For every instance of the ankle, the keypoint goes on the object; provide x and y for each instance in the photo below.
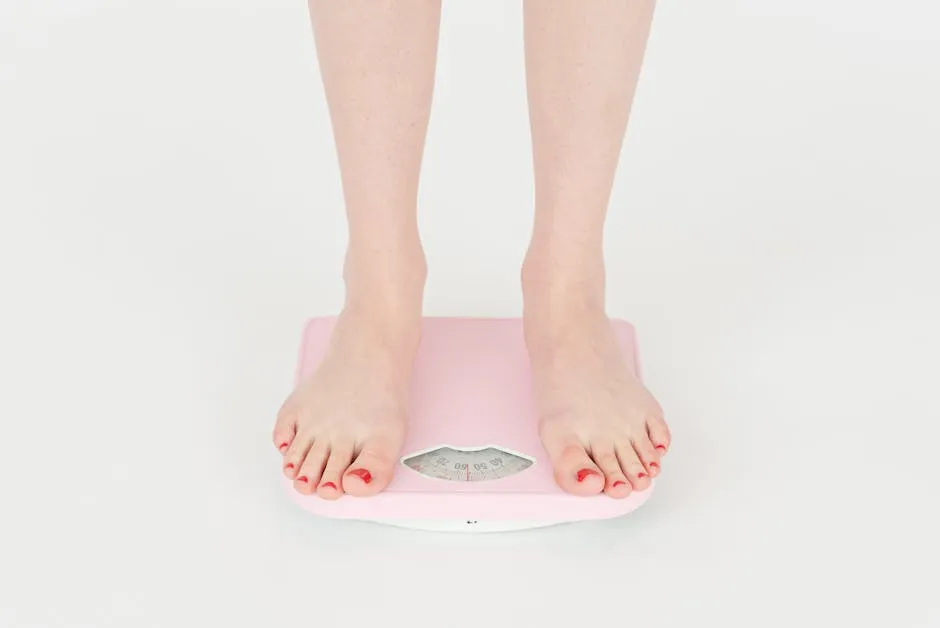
(562, 287)
(388, 281)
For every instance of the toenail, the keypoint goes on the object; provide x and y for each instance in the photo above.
(583, 473)
(289, 465)
(302, 478)
(362, 474)
(641, 475)
(654, 465)
(329, 485)
(282, 447)
(618, 483)
(661, 447)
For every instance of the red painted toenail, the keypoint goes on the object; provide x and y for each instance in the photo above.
(618, 483)
(583, 473)
(289, 465)
(302, 478)
(282, 447)
(329, 485)
(654, 465)
(641, 475)
(661, 447)
(363, 475)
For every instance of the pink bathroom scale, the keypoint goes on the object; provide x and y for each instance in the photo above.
(472, 459)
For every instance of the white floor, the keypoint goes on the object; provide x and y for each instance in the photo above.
(171, 214)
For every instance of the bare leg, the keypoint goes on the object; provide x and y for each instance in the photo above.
(342, 430)
(601, 428)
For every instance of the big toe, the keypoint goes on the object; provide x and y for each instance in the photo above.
(371, 471)
(575, 472)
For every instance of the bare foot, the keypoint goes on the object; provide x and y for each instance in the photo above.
(341, 430)
(601, 428)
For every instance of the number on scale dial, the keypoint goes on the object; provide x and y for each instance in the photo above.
(467, 465)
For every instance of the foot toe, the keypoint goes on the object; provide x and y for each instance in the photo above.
(616, 484)
(295, 454)
(331, 481)
(371, 471)
(658, 434)
(632, 466)
(575, 472)
(308, 477)
(284, 430)
(648, 454)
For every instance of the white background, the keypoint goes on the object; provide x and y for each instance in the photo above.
(171, 214)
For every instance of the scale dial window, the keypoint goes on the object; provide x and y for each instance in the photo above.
(467, 465)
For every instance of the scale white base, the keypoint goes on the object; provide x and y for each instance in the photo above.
(429, 525)
(472, 459)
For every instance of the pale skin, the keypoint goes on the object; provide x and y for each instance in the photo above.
(341, 431)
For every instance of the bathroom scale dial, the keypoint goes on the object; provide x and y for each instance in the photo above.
(467, 465)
